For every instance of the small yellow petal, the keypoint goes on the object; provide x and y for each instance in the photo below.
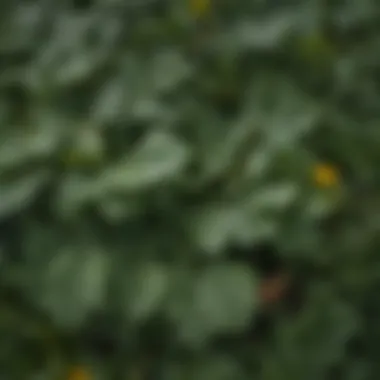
(79, 373)
(199, 7)
(326, 175)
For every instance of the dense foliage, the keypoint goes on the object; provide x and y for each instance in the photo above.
(190, 190)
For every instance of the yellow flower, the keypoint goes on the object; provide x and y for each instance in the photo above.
(326, 176)
(199, 7)
(79, 373)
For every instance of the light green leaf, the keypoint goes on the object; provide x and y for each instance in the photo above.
(74, 192)
(23, 147)
(87, 146)
(284, 113)
(267, 33)
(18, 194)
(272, 198)
(228, 149)
(217, 367)
(149, 283)
(217, 225)
(115, 210)
(254, 227)
(160, 158)
(224, 299)
(317, 337)
(214, 226)
(74, 284)
(169, 70)
(322, 203)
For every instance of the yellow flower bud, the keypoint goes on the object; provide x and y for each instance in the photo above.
(326, 176)
(79, 373)
(199, 7)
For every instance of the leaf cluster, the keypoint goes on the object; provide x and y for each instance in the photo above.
(164, 163)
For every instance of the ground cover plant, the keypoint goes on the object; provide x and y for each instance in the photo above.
(189, 190)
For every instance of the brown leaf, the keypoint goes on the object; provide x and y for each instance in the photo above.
(274, 288)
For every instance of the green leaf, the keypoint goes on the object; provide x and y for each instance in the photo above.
(268, 33)
(115, 210)
(272, 198)
(74, 192)
(24, 147)
(159, 158)
(74, 284)
(226, 296)
(213, 227)
(87, 148)
(217, 225)
(216, 367)
(149, 283)
(169, 70)
(18, 194)
(317, 338)
(226, 152)
(224, 299)
(324, 203)
(284, 113)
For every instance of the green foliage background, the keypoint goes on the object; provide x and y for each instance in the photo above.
(157, 164)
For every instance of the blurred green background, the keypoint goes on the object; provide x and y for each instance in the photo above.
(189, 190)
